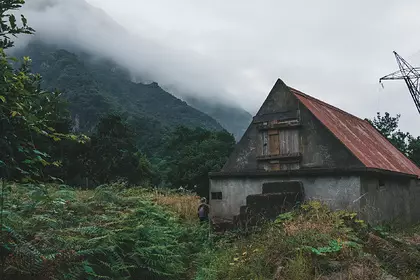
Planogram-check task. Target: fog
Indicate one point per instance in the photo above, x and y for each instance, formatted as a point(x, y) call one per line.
point(234, 51)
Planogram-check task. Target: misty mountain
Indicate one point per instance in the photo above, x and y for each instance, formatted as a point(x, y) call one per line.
point(233, 119)
point(94, 87)
point(75, 72)
point(178, 72)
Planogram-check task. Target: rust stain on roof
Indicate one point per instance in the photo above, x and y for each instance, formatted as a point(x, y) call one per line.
point(359, 136)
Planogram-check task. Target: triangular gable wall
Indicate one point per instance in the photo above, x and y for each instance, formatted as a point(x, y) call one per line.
point(317, 145)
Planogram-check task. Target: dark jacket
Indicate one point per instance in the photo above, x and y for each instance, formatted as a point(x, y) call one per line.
point(206, 210)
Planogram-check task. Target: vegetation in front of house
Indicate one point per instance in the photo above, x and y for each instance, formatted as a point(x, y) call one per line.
point(116, 232)
point(313, 242)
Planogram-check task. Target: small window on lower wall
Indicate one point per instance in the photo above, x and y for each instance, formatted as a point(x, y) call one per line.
point(381, 185)
point(216, 195)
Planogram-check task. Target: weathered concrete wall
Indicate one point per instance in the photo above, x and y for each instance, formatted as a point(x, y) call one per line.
point(394, 199)
point(338, 192)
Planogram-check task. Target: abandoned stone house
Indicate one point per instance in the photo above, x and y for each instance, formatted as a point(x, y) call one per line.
point(298, 145)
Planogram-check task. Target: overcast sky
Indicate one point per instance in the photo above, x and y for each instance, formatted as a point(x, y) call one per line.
point(235, 50)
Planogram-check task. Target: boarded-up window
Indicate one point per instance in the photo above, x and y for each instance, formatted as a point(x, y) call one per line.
point(289, 143)
point(280, 142)
point(273, 142)
point(265, 143)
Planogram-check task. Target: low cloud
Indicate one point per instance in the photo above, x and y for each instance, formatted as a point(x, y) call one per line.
point(234, 51)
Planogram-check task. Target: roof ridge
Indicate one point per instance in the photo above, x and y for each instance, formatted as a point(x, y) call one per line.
point(324, 103)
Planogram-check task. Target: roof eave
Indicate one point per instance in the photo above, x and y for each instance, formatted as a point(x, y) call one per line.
point(312, 172)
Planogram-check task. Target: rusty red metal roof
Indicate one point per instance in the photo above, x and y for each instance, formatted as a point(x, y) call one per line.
point(359, 136)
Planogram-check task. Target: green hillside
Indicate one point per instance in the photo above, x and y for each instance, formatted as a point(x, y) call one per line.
point(94, 87)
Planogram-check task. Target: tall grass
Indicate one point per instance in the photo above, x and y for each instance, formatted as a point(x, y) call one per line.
point(184, 205)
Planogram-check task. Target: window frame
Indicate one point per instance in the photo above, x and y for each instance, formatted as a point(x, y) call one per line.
point(216, 195)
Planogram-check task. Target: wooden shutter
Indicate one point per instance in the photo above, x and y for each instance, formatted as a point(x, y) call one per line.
point(273, 142)
point(289, 141)
point(265, 143)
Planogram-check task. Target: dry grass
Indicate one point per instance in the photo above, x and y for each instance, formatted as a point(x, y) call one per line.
point(182, 204)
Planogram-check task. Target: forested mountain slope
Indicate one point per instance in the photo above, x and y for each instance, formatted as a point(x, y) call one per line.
point(233, 119)
point(110, 88)
point(94, 87)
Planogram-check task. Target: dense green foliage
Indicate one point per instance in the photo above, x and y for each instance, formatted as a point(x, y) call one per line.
point(110, 155)
point(190, 154)
point(56, 232)
point(30, 118)
point(404, 141)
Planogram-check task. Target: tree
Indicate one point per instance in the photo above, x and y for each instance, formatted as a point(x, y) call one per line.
point(28, 116)
point(388, 127)
point(193, 153)
point(8, 23)
point(414, 150)
point(113, 153)
point(403, 141)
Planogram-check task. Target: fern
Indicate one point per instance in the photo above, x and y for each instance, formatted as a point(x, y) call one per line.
point(109, 233)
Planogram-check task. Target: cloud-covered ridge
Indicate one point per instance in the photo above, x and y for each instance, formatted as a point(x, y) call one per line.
point(233, 51)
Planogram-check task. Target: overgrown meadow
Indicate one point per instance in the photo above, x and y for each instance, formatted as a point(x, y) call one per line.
point(112, 232)
point(118, 232)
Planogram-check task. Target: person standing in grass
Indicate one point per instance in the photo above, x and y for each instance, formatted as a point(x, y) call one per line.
point(203, 210)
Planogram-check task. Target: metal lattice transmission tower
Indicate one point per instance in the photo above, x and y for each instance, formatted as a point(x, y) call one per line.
point(410, 75)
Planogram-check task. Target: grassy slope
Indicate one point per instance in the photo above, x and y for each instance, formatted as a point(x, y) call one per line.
point(315, 243)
